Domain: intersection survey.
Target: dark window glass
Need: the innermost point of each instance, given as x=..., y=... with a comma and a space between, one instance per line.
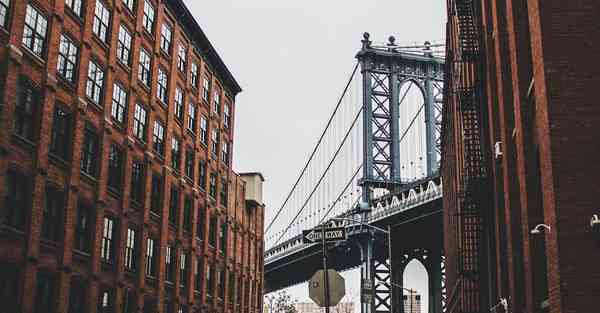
x=198, y=275
x=105, y=301
x=170, y=264
x=215, y=144
x=162, y=86
x=192, y=117
x=174, y=205
x=108, y=240
x=95, y=83
x=204, y=130
x=212, y=185
x=83, y=229
x=90, y=152
x=77, y=296
x=119, y=104
x=148, y=19
x=101, y=21
x=9, y=286
x=124, y=45
x=212, y=231
x=67, y=58
x=60, y=140
x=225, y=152
x=140, y=121
x=189, y=163
x=151, y=257
x=45, y=301
x=156, y=195
x=28, y=102
x=231, y=287
x=129, y=301
x=187, y=214
x=175, y=154
x=158, y=138
x=52, y=215
x=179, y=104
x=16, y=205
x=115, y=168
x=223, y=192
x=131, y=250
x=200, y=224
x=184, y=260
x=209, y=281
x=137, y=182
x=34, y=31
x=202, y=175
x=221, y=283
x=223, y=237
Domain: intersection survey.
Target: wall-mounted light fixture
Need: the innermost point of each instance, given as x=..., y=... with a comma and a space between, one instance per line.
x=503, y=304
x=538, y=229
x=595, y=222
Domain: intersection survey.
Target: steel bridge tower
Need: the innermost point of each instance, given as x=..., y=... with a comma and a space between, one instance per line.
x=384, y=71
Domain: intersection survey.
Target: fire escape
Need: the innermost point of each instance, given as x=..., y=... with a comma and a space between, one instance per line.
x=468, y=216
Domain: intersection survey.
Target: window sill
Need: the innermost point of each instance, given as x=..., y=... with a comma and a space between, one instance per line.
x=8, y=229
x=155, y=216
x=126, y=67
x=104, y=45
x=191, y=132
x=89, y=178
x=58, y=161
x=24, y=142
x=144, y=87
x=67, y=84
x=49, y=244
x=37, y=59
x=135, y=204
x=81, y=254
x=114, y=192
x=78, y=19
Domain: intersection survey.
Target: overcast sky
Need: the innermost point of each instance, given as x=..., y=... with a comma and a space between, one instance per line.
x=292, y=58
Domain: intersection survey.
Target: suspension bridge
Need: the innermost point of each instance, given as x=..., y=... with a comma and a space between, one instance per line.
x=375, y=166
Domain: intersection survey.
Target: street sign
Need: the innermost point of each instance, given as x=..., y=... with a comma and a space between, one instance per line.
x=316, y=288
x=331, y=234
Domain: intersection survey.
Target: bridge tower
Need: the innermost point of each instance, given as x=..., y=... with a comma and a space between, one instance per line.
x=385, y=69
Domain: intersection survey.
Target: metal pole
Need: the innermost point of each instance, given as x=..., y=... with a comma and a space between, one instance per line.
x=326, y=275
x=389, y=229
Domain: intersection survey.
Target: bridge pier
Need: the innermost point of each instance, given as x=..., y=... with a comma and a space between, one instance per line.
x=366, y=245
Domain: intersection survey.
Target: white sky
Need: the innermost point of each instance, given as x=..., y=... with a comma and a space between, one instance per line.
x=292, y=59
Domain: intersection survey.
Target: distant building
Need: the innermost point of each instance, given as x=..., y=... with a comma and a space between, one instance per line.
x=309, y=307
x=412, y=303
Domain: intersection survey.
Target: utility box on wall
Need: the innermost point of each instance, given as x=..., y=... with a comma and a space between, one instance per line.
x=254, y=187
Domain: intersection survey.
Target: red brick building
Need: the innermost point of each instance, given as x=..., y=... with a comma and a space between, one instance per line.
x=521, y=149
x=116, y=131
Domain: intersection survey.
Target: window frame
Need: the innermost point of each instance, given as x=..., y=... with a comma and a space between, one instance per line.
x=124, y=40
x=115, y=162
x=26, y=110
x=131, y=251
x=162, y=86
x=120, y=98
x=108, y=240
x=175, y=153
x=52, y=214
x=94, y=89
x=145, y=67
x=149, y=17
x=75, y=6
x=166, y=43
x=158, y=138
x=38, y=40
x=179, y=104
x=192, y=117
x=182, y=57
x=68, y=61
x=140, y=122
x=60, y=143
x=138, y=173
x=101, y=24
x=90, y=151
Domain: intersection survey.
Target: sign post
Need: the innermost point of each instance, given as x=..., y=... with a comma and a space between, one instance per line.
x=325, y=272
x=332, y=234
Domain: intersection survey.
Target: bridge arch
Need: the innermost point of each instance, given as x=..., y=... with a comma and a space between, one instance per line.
x=412, y=127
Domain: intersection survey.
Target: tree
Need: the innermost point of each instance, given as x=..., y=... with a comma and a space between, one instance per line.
x=282, y=302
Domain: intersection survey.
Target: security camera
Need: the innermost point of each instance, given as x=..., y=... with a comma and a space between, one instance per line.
x=595, y=222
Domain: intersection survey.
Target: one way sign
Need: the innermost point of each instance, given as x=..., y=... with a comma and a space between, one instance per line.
x=331, y=234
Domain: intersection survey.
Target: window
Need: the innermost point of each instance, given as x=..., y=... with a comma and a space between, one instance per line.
x=119, y=104
x=144, y=70
x=124, y=45
x=77, y=295
x=189, y=162
x=137, y=182
x=215, y=143
x=200, y=224
x=225, y=152
x=148, y=19
x=204, y=130
x=67, y=58
x=182, y=309
x=221, y=283
x=129, y=4
x=209, y=281
x=91, y=150
x=205, y=89
x=156, y=194
x=212, y=231
x=83, y=229
x=166, y=33
x=129, y=301
x=34, y=31
x=130, y=250
x=61, y=130
x=52, y=215
x=162, y=85
x=108, y=234
x=223, y=191
x=158, y=138
x=140, y=119
x=217, y=106
x=187, y=214
x=179, y=104
x=194, y=75
x=170, y=264
x=115, y=168
x=183, y=269
x=175, y=154
x=181, y=58
x=74, y=6
x=95, y=82
x=45, y=293
x=223, y=237
x=101, y=21
x=192, y=117
x=198, y=275
x=212, y=185
x=27, y=104
x=105, y=301
x=174, y=205
x=151, y=255
x=232, y=287
x=226, y=115
x=9, y=280
x=202, y=175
